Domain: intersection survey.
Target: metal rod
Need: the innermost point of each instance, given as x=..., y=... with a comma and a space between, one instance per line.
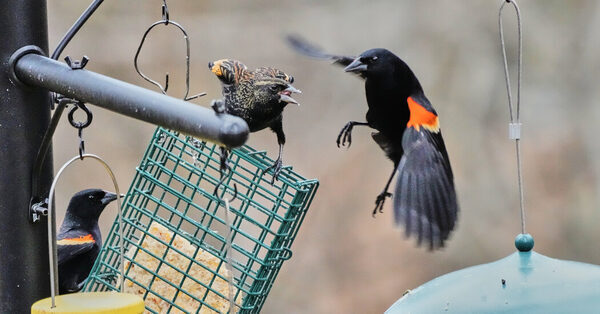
x=43, y=150
x=24, y=116
x=131, y=100
x=75, y=28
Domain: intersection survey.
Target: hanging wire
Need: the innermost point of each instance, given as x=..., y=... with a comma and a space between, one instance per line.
x=515, y=121
x=75, y=28
x=52, y=245
x=229, y=252
x=166, y=21
x=36, y=189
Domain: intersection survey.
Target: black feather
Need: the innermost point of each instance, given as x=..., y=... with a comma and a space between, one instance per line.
x=424, y=199
x=79, y=238
x=435, y=210
x=304, y=47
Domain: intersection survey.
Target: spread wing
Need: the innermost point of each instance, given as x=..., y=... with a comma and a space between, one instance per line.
x=74, y=243
x=425, y=199
x=304, y=47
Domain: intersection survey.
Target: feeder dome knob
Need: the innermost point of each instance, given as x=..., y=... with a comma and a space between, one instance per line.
x=524, y=242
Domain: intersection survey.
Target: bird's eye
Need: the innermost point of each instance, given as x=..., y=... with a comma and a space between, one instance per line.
x=368, y=60
x=274, y=88
x=291, y=79
x=91, y=197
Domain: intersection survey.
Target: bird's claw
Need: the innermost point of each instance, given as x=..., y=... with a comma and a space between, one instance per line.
x=345, y=136
x=276, y=166
x=380, y=201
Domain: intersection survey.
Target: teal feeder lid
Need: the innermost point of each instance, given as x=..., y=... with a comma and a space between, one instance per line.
x=523, y=282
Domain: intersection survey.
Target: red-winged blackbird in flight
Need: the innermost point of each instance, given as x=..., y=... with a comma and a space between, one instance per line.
x=258, y=97
x=79, y=238
x=408, y=132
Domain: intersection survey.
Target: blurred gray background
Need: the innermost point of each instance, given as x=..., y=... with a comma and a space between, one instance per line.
x=344, y=260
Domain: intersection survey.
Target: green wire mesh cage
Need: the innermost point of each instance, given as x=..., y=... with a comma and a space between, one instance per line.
x=175, y=228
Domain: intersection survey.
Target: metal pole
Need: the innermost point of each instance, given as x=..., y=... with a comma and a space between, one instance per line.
x=131, y=100
x=24, y=116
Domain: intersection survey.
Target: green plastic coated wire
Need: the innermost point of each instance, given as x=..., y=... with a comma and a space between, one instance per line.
x=173, y=187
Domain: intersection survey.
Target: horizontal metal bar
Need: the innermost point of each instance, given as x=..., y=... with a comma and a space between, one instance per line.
x=130, y=100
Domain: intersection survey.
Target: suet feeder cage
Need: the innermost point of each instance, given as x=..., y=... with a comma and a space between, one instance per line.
x=175, y=228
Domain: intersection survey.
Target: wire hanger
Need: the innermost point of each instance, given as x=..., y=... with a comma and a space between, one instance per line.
x=514, y=128
x=166, y=21
x=52, y=246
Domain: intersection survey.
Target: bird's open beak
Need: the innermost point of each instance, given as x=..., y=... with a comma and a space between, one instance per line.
x=108, y=197
x=284, y=95
x=356, y=66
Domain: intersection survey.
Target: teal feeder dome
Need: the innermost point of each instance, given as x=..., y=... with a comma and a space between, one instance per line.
x=523, y=282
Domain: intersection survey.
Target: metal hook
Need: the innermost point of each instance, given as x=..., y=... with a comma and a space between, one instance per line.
x=165, y=12
x=166, y=21
x=80, y=125
x=221, y=180
x=88, y=114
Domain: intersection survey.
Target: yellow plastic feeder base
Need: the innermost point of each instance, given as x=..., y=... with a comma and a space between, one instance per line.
x=91, y=302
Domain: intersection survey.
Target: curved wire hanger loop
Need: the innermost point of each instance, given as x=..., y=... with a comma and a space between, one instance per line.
x=519, y=62
x=52, y=246
x=166, y=21
x=515, y=118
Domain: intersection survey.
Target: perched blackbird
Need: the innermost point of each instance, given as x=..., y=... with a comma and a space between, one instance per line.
x=258, y=97
x=408, y=132
x=79, y=238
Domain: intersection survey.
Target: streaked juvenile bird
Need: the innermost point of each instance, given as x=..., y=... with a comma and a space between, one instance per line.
x=79, y=238
x=258, y=97
x=408, y=131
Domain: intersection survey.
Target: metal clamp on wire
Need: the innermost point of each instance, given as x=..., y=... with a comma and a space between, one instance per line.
x=514, y=131
x=38, y=210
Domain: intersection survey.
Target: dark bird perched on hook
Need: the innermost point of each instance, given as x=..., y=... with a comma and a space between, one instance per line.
x=258, y=97
x=408, y=131
x=79, y=238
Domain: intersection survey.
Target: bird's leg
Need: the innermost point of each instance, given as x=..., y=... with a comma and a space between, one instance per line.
x=345, y=135
x=381, y=197
x=277, y=127
x=276, y=166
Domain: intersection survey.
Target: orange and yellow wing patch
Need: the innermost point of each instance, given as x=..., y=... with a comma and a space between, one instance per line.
x=421, y=117
x=75, y=241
